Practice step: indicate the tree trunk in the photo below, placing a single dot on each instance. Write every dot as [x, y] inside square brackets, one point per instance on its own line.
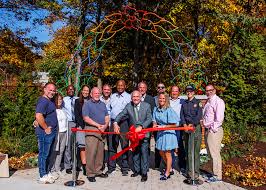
[82, 27]
[78, 66]
[100, 66]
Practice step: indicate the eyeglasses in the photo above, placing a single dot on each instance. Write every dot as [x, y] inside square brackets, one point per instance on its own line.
[209, 90]
[160, 87]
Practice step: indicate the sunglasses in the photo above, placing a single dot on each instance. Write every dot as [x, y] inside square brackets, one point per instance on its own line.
[160, 87]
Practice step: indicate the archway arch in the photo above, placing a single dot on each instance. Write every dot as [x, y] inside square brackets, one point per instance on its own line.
[179, 48]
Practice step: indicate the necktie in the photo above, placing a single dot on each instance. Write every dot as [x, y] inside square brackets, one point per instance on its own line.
[72, 108]
[136, 113]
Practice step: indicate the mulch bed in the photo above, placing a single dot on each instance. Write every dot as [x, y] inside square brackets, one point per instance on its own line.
[259, 150]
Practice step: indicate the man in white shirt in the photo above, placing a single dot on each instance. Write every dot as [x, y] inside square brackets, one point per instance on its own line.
[176, 104]
[117, 103]
[106, 96]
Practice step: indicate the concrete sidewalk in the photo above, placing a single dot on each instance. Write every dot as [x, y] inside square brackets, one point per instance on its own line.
[27, 180]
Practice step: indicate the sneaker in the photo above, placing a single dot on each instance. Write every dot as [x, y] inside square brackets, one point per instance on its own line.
[45, 180]
[213, 179]
[60, 173]
[53, 175]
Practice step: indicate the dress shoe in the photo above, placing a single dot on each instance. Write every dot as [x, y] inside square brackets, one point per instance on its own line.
[69, 171]
[102, 175]
[110, 172]
[144, 178]
[135, 174]
[91, 179]
[124, 173]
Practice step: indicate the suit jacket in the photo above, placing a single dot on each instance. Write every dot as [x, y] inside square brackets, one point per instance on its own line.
[78, 114]
[144, 114]
[149, 99]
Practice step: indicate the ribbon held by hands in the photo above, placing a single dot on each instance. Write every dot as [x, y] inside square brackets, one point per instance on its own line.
[133, 136]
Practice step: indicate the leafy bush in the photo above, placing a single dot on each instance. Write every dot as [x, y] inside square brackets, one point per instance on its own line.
[17, 111]
[242, 70]
[18, 147]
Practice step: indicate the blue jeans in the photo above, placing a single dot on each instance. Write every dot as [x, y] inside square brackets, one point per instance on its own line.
[45, 143]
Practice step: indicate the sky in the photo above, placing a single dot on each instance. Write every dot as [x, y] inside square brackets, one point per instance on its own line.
[41, 32]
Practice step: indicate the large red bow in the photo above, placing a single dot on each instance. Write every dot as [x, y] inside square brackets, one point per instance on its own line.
[133, 136]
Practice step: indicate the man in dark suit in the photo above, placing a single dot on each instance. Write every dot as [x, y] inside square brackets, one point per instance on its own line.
[142, 87]
[138, 114]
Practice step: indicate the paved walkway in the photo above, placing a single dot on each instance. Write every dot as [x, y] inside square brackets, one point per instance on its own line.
[27, 180]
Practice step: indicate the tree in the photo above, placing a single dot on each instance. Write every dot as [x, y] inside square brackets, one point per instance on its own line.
[15, 56]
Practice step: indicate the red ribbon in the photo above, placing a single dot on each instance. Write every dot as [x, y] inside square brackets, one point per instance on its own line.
[133, 136]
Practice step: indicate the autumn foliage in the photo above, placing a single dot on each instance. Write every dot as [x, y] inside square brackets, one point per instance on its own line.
[253, 175]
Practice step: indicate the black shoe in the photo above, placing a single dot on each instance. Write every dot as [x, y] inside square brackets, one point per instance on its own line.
[171, 172]
[135, 174]
[124, 173]
[91, 179]
[69, 171]
[102, 175]
[78, 169]
[144, 178]
[164, 177]
[109, 172]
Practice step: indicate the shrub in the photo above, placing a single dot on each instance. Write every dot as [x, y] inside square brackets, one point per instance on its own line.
[17, 110]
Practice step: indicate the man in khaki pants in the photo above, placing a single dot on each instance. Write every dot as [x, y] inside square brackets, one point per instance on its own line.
[96, 118]
[213, 116]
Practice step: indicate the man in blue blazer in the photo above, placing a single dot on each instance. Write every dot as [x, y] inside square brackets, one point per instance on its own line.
[138, 114]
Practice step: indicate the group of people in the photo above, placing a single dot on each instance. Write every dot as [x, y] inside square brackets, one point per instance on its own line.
[100, 110]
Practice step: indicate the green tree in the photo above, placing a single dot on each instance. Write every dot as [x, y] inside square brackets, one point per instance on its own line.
[17, 112]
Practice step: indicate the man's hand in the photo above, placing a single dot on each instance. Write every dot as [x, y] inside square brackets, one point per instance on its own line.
[48, 130]
[158, 126]
[189, 125]
[35, 124]
[116, 128]
[138, 129]
[102, 128]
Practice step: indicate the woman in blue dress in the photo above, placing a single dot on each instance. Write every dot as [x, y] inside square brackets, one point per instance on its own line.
[163, 117]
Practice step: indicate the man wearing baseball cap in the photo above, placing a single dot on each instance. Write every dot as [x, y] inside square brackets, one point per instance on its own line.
[191, 114]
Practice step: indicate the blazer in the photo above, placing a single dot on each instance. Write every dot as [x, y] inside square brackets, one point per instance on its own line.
[144, 114]
[78, 114]
[149, 99]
